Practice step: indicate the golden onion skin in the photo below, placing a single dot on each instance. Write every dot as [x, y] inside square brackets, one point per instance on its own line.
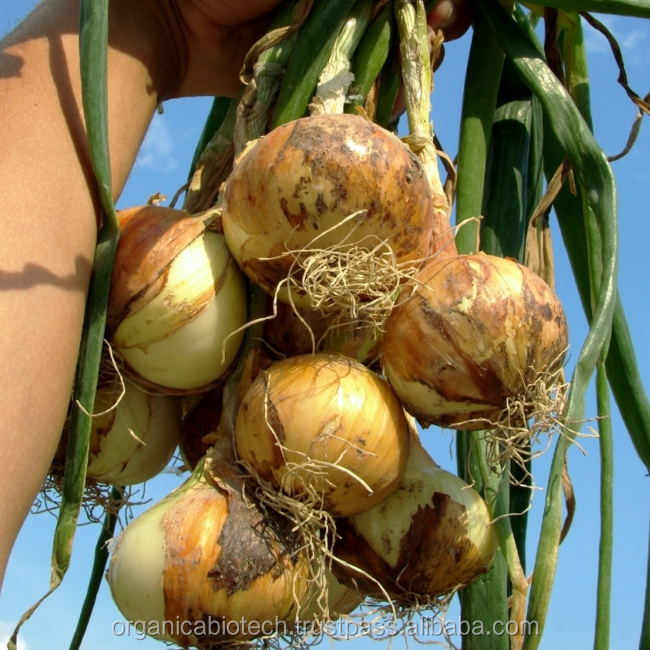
[306, 176]
[206, 553]
[429, 536]
[473, 333]
[330, 409]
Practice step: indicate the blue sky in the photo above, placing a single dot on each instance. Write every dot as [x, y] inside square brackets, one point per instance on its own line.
[162, 166]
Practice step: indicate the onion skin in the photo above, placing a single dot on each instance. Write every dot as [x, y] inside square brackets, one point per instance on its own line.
[204, 552]
[327, 408]
[305, 177]
[474, 332]
[116, 457]
[429, 536]
[200, 427]
[340, 600]
[286, 333]
[176, 295]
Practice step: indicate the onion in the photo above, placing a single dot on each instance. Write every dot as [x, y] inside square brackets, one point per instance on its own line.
[200, 427]
[305, 178]
[338, 601]
[132, 442]
[287, 333]
[207, 555]
[176, 295]
[475, 332]
[326, 425]
[430, 535]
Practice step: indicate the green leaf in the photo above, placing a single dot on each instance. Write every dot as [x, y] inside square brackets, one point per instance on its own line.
[311, 52]
[638, 8]
[99, 564]
[479, 103]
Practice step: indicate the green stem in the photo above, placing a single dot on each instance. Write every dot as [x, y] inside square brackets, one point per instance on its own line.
[644, 643]
[311, 52]
[335, 79]
[370, 57]
[604, 591]
[97, 572]
[484, 602]
[479, 103]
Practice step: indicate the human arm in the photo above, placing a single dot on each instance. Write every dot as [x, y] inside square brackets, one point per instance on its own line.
[158, 49]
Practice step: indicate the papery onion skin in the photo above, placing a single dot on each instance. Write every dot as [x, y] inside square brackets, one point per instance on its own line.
[200, 427]
[287, 334]
[327, 408]
[475, 331]
[135, 439]
[204, 552]
[305, 177]
[429, 536]
[176, 295]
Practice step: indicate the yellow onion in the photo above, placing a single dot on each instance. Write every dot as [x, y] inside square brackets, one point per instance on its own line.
[176, 295]
[475, 331]
[430, 535]
[306, 177]
[205, 555]
[134, 440]
[325, 423]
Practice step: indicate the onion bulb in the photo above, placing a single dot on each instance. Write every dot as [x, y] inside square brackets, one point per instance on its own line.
[327, 425]
[176, 295]
[475, 331]
[132, 442]
[297, 184]
[206, 565]
[338, 601]
[430, 535]
[288, 334]
[133, 435]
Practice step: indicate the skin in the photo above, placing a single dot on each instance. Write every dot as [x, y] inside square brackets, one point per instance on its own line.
[48, 204]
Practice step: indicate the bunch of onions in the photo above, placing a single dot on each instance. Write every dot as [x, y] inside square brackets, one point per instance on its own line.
[325, 425]
[297, 185]
[206, 565]
[430, 535]
[475, 331]
[176, 297]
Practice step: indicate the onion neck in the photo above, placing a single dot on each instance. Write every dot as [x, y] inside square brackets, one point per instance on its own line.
[418, 83]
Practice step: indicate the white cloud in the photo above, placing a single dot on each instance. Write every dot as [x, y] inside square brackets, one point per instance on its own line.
[628, 33]
[157, 152]
[6, 630]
